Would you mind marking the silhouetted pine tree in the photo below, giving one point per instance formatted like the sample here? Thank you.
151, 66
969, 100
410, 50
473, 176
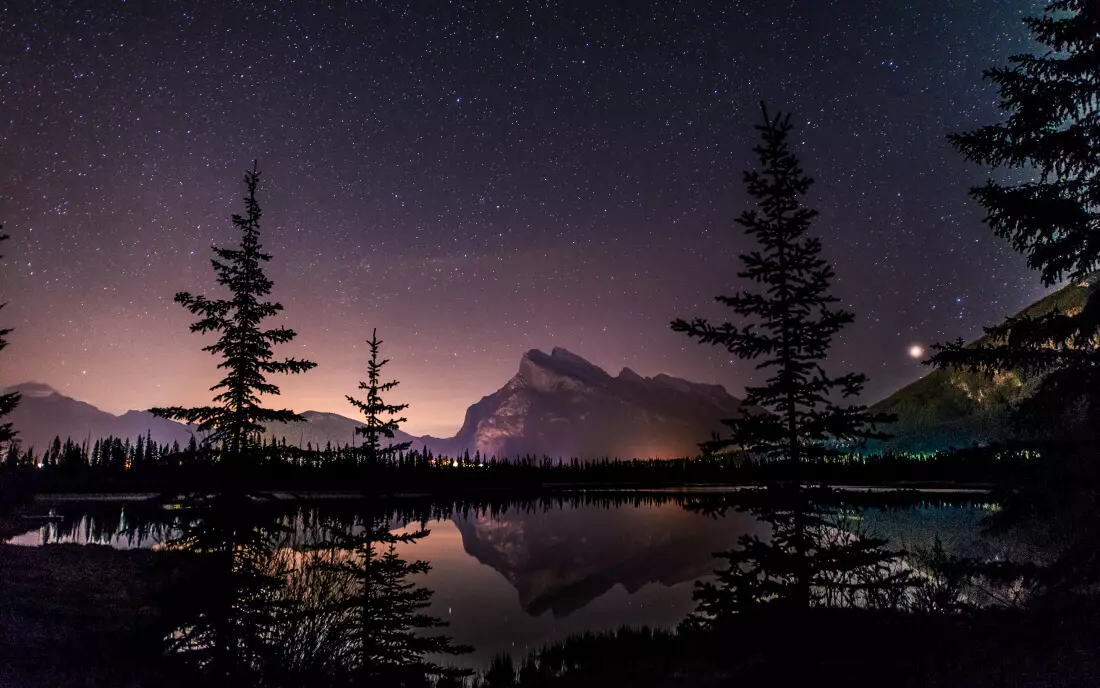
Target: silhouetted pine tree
11, 455
1052, 132
237, 420
8, 401
789, 322
1051, 139
379, 415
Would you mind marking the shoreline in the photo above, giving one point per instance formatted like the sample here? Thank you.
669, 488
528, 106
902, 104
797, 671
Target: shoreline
940, 487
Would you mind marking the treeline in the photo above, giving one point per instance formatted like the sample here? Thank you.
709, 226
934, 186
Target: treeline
149, 465
111, 453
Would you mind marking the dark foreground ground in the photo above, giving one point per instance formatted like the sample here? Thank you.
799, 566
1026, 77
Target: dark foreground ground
91, 616
75, 615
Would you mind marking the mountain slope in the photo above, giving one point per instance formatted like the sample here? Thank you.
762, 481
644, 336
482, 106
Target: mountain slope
321, 428
556, 405
958, 408
562, 405
44, 414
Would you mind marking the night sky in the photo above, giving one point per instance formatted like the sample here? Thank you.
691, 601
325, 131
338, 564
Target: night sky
477, 179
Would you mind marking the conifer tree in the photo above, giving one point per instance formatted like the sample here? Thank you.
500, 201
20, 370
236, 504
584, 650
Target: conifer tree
1052, 134
788, 324
789, 321
380, 421
10, 400
816, 555
237, 419
11, 455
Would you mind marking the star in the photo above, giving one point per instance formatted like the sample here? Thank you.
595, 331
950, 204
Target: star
396, 162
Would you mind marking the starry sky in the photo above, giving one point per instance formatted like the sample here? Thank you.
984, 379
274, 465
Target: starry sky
476, 179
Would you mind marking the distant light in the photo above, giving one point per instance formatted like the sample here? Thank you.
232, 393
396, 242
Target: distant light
916, 351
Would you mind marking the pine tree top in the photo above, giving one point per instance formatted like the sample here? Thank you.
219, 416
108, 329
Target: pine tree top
382, 420
788, 318
237, 418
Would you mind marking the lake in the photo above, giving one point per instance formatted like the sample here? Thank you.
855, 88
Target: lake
511, 576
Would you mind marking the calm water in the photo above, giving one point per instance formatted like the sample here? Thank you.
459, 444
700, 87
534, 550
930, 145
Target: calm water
513, 577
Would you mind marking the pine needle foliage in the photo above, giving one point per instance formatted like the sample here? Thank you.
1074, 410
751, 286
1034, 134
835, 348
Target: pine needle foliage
788, 321
237, 419
381, 422
386, 625
816, 556
1050, 137
227, 631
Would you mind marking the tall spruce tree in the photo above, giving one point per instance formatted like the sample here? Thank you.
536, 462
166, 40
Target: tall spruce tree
10, 400
380, 421
1052, 136
237, 419
1046, 203
789, 322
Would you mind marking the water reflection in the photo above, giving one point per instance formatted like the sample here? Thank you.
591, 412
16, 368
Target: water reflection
560, 561
231, 608
297, 590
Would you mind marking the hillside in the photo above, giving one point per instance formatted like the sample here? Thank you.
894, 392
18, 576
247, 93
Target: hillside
958, 408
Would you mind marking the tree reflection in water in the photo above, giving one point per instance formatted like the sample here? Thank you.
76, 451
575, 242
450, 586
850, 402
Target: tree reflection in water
281, 594
380, 614
232, 603
263, 606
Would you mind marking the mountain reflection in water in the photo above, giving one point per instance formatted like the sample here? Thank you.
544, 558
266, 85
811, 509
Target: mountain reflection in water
561, 561
512, 577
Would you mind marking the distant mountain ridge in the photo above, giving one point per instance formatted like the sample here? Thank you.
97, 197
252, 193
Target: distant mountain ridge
952, 408
321, 428
557, 404
44, 414
562, 405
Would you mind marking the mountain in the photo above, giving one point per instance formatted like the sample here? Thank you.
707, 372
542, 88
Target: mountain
947, 408
44, 414
321, 428
562, 405
556, 405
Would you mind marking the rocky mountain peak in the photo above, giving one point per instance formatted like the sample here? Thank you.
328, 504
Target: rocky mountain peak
566, 356
561, 369
688, 386
33, 389
560, 404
